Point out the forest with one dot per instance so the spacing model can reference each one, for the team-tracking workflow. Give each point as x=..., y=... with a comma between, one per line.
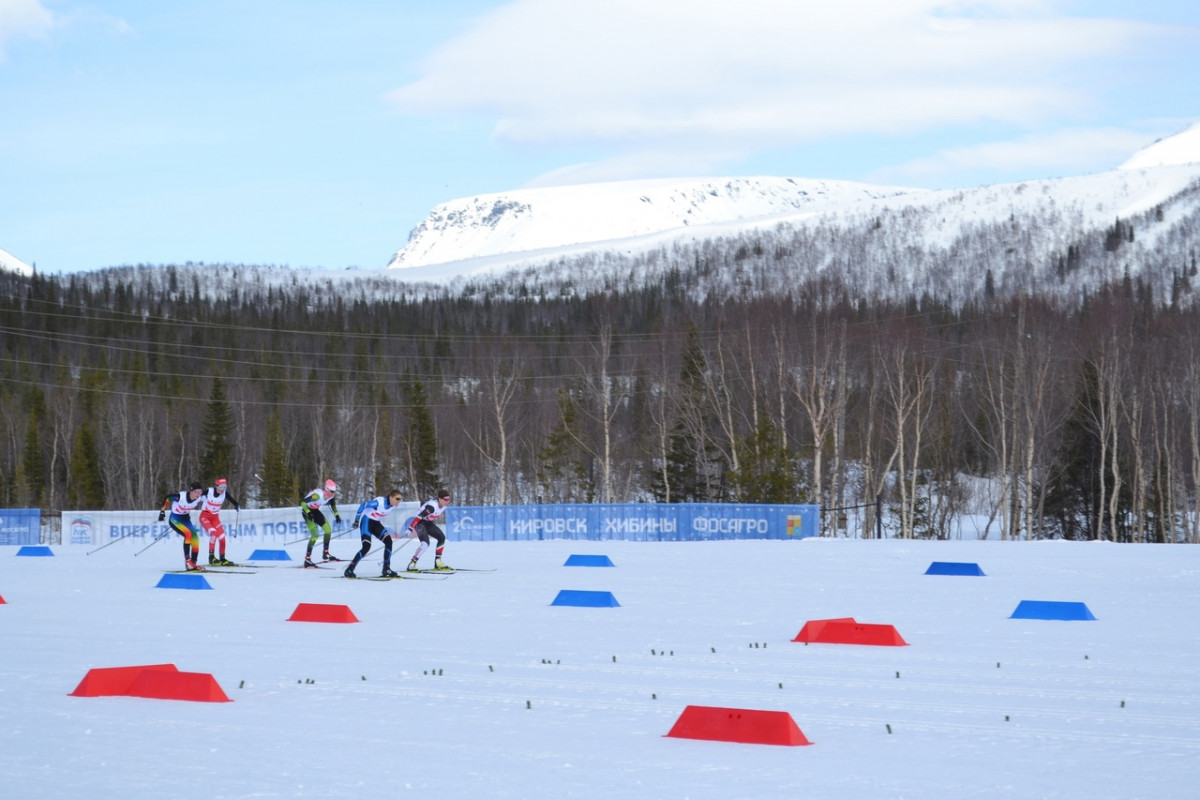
x=727, y=371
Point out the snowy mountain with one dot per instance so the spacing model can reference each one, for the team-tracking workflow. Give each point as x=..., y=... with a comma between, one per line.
x=1182, y=148
x=11, y=263
x=927, y=230
x=530, y=221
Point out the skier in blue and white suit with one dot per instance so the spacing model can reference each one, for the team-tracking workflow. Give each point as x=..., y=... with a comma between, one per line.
x=369, y=521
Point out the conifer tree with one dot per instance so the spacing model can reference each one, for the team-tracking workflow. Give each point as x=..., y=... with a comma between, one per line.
x=278, y=486
x=33, y=459
x=561, y=471
x=421, y=440
x=766, y=471
x=691, y=457
x=85, y=487
x=217, y=457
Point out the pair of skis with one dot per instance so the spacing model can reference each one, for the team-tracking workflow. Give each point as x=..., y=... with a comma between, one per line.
x=425, y=574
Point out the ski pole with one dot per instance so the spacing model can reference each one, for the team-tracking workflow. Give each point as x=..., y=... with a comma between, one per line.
x=157, y=539
x=375, y=550
x=106, y=544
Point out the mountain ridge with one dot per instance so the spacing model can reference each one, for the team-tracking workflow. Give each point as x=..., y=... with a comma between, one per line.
x=493, y=232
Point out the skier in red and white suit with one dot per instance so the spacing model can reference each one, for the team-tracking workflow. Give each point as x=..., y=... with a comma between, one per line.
x=210, y=519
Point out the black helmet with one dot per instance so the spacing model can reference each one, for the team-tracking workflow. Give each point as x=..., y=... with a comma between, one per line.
x=195, y=485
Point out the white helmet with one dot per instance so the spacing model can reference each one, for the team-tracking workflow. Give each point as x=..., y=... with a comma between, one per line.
x=330, y=485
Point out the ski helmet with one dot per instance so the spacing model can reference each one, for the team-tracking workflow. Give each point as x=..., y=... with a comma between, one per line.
x=330, y=486
x=221, y=482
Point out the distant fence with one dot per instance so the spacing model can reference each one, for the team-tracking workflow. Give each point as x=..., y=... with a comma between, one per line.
x=644, y=522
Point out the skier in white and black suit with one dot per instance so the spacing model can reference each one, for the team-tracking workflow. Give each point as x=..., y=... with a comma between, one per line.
x=422, y=527
x=369, y=521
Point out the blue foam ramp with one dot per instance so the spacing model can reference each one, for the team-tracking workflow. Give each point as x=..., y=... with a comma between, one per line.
x=1051, y=609
x=171, y=580
x=575, y=597
x=269, y=555
x=588, y=561
x=954, y=568
x=35, y=550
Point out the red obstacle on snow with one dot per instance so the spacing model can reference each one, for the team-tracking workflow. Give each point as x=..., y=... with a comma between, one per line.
x=114, y=681
x=844, y=630
x=199, y=687
x=322, y=612
x=2, y=601
x=747, y=726
x=157, y=681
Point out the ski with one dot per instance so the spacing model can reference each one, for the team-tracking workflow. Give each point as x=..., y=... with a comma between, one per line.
x=406, y=577
x=212, y=571
x=452, y=571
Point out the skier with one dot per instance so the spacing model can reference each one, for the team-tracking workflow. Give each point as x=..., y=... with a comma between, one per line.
x=314, y=518
x=182, y=504
x=210, y=520
x=422, y=527
x=369, y=521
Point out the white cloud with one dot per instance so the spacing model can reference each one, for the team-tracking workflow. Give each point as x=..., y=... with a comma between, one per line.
x=699, y=75
x=23, y=19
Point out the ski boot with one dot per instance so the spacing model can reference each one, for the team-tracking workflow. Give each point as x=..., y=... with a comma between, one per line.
x=412, y=566
x=349, y=573
x=329, y=557
x=192, y=566
x=388, y=572
x=308, y=562
x=212, y=559
x=438, y=566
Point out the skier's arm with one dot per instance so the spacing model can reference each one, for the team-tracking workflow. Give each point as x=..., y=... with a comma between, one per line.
x=166, y=503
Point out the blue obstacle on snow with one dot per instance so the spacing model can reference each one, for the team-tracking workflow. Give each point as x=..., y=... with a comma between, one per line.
x=270, y=555
x=35, y=550
x=575, y=597
x=588, y=561
x=191, y=580
x=954, y=568
x=1051, y=609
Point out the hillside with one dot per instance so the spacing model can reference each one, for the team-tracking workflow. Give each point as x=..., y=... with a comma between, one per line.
x=11, y=263
x=1063, y=236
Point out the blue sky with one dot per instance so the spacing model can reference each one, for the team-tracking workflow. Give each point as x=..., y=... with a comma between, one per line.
x=317, y=133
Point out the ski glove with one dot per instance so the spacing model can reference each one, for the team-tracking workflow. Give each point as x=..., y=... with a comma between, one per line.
x=162, y=515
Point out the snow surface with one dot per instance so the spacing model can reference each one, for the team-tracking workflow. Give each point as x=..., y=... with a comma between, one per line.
x=477, y=687
x=1182, y=148
x=13, y=264
x=531, y=220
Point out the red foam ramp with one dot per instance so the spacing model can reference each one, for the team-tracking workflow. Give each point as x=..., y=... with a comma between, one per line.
x=812, y=628
x=836, y=631
x=322, y=612
x=114, y=681
x=743, y=725
x=2, y=601
x=199, y=687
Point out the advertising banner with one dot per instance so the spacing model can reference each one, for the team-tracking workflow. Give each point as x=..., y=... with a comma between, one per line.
x=642, y=522
x=271, y=527
x=20, y=525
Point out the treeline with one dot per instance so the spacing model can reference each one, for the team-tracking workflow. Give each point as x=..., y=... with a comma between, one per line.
x=1080, y=420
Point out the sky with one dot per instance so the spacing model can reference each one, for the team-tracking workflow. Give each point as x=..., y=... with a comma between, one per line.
x=318, y=134
x=480, y=686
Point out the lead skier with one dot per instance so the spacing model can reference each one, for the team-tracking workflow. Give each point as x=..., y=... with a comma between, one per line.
x=369, y=521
